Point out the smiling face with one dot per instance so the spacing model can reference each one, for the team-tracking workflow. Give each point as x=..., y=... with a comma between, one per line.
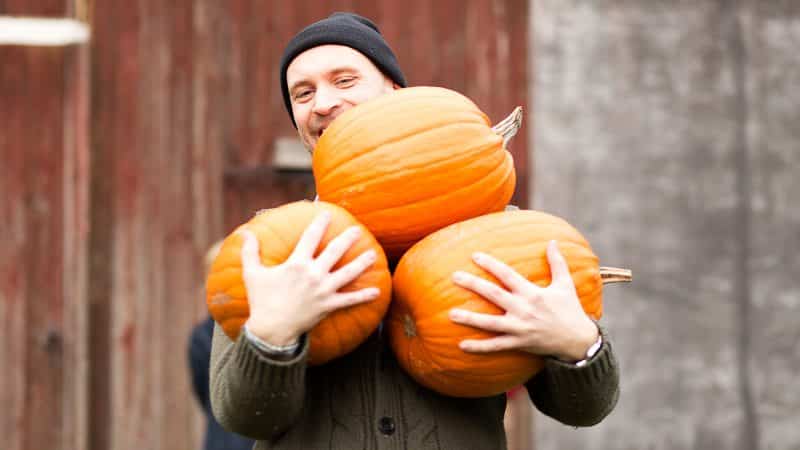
x=326, y=81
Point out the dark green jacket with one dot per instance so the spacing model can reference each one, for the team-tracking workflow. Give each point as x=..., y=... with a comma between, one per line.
x=364, y=400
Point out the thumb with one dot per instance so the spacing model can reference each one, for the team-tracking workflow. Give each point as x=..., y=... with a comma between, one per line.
x=249, y=253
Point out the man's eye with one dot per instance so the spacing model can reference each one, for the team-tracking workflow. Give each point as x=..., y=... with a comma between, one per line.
x=300, y=95
x=345, y=81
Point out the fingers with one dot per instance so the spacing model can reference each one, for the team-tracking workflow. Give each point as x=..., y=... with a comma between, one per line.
x=345, y=299
x=507, y=275
x=495, y=344
x=486, y=322
x=311, y=237
x=249, y=253
x=559, y=270
x=337, y=248
x=485, y=289
x=350, y=271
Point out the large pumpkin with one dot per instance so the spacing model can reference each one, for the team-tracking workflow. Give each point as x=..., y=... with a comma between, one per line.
x=422, y=335
x=413, y=161
x=278, y=231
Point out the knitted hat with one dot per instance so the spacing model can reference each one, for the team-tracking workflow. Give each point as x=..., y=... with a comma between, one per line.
x=346, y=29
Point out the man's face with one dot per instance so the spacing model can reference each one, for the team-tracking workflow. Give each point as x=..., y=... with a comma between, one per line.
x=328, y=80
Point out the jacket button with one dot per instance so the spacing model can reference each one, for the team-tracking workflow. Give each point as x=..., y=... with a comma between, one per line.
x=386, y=425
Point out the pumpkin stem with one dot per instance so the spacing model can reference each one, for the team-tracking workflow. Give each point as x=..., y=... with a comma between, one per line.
x=509, y=126
x=615, y=275
x=408, y=324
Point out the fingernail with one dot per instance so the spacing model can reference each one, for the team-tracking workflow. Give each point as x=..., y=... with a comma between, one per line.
x=373, y=292
x=356, y=231
x=459, y=277
x=478, y=257
x=456, y=314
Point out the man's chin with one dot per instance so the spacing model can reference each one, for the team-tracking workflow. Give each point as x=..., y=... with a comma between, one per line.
x=309, y=143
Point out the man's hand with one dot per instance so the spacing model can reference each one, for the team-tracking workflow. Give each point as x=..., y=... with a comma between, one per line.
x=289, y=299
x=545, y=321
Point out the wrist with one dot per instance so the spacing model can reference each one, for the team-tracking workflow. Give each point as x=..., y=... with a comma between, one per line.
x=273, y=335
x=591, y=352
x=282, y=353
x=580, y=347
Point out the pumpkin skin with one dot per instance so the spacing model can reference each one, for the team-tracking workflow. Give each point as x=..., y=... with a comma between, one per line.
x=278, y=231
x=410, y=162
x=423, y=337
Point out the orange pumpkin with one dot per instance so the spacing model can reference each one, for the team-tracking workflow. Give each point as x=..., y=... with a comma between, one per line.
x=413, y=161
x=278, y=231
x=421, y=333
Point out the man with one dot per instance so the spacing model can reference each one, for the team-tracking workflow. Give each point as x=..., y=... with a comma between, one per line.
x=261, y=386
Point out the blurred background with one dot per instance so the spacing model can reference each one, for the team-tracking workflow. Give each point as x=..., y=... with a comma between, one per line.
x=666, y=131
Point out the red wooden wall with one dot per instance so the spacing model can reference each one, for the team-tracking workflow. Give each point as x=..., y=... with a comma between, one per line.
x=44, y=167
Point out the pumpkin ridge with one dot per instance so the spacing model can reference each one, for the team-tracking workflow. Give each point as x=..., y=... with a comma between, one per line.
x=410, y=100
x=463, y=154
x=354, y=159
x=443, y=316
x=419, y=106
x=372, y=188
x=415, y=341
x=439, y=363
x=430, y=358
x=369, y=110
x=352, y=118
x=556, y=228
x=276, y=236
x=437, y=197
x=261, y=224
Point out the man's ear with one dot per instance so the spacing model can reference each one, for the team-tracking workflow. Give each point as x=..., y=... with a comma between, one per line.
x=389, y=85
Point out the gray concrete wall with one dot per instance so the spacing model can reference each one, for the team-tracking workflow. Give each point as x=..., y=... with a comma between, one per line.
x=669, y=133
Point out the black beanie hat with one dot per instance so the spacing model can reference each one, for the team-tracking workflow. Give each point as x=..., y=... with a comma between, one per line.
x=346, y=29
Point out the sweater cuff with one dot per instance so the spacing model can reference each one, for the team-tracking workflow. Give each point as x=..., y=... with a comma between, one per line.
x=275, y=373
x=569, y=377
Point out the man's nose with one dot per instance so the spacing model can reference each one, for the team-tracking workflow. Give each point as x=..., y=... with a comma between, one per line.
x=326, y=100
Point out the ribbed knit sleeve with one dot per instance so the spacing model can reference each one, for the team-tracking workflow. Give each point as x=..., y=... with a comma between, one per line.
x=251, y=394
x=578, y=396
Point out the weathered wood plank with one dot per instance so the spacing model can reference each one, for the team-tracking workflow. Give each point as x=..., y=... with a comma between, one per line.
x=76, y=389
x=44, y=246
x=42, y=274
x=156, y=216
x=37, y=8
x=14, y=290
x=449, y=17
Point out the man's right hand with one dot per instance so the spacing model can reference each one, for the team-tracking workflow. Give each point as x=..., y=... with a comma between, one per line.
x=289, y=299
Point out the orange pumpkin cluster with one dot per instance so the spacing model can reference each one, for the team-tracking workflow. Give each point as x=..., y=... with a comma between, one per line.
x=424, y=173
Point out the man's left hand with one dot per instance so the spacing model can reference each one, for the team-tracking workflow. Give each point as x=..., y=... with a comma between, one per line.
x=547, y=321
